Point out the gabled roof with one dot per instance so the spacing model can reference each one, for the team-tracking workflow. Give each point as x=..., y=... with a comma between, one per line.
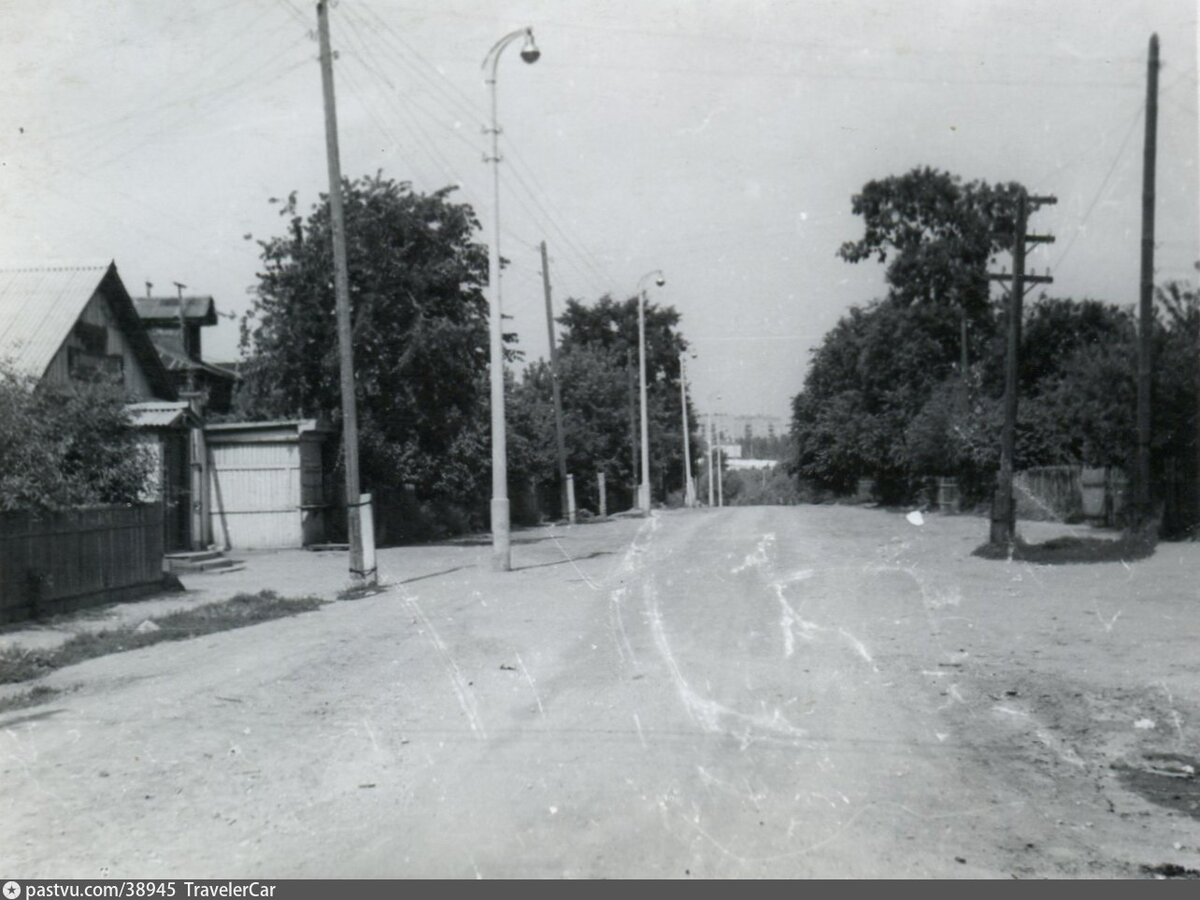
x=38, y=308
x=40, y=305
x=176, y=361
x=165, y=310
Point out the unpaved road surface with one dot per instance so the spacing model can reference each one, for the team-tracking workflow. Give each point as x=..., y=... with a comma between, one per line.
x=791, y=692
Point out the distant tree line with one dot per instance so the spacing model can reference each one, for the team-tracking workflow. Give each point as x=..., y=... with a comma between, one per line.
x=418, y=275
x=598, y=379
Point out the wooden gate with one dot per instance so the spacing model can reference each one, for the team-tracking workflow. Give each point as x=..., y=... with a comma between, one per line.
x=177, y=492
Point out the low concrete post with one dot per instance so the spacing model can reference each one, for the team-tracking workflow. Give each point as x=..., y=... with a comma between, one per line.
x=603, y=497
x=366, y=518
x=571, y=499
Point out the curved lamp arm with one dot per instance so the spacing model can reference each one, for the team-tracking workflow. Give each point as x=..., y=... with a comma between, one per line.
x=661, y=279
x=529, y=52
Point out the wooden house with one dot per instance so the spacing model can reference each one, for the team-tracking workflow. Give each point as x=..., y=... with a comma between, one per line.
x=77, y=323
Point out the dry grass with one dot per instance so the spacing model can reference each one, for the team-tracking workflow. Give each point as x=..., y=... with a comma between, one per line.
x=237, y=612
x=35, y=696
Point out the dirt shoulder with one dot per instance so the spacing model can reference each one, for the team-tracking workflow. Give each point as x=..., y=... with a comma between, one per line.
x=1082, y=678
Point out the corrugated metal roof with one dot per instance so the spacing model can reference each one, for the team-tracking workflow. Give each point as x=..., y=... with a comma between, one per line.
x=38, y=308
x=154, y=414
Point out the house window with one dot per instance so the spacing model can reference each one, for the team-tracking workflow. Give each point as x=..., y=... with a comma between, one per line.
x=92, y=339
x=85, y=366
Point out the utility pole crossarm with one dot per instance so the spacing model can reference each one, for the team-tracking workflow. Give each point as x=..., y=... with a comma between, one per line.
x=1036, y=279
x=1003, y=516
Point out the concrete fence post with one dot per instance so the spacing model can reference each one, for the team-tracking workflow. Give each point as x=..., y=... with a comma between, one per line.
x=571, y=499
x=603, y=496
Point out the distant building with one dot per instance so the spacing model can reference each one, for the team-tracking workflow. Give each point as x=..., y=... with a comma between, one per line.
x=177, y=337
x=733, y=428
x=736, y=464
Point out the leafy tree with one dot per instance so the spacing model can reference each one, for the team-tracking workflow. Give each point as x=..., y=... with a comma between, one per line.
x=869, y=378
x=1071, y=360
x=939, y=234
x=420, y=334
x=597, y=359
x=62, y=447
x=879, y=367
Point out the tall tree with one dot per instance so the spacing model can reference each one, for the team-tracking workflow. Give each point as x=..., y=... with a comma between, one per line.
x=936, y=233
x=419, y=330
x=879, y=367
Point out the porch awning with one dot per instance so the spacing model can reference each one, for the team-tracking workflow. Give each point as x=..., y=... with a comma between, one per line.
x=158, y=414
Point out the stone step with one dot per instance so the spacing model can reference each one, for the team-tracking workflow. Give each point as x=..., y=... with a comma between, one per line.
x=209, y=565
x=216, y=562
x=188, y=556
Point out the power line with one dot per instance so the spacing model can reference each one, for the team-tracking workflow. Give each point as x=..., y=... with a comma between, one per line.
x=1100, y=191
x=838, y=76
x=114, y=123
x=569, y=242
x=465, y=104
x=376, y=68
x=393, y=98
x=726, y=36
x=195, y=116
x=377, y=65
x=442, y=85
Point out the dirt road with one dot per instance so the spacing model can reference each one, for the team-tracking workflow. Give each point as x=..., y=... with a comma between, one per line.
x=809, y=691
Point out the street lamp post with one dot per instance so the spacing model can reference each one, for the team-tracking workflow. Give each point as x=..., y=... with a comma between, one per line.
x=644, y=486
x=501, y=548
x=689, y=487
x=714, y=456
x=709, y=453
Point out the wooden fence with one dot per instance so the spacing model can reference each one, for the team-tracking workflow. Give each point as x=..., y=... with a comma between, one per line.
x=1048, y=493
x=56, y=562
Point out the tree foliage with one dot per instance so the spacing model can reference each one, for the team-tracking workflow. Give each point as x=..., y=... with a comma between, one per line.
x=420, y=333
x=937, y=235
x=62, y=447
x=885, y=399
x=597, y=377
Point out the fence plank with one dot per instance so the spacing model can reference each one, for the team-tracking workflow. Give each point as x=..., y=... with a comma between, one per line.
x=74, y=558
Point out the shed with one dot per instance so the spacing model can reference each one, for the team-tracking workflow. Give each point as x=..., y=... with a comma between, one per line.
x=267, y=483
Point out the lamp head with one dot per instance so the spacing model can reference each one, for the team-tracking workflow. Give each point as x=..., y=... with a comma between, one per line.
x=529, y=51
x=660, y=280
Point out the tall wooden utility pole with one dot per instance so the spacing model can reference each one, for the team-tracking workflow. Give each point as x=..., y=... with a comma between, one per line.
x=1004, y=509
x=1143, y=509
x=341, y=285
x=558, y=417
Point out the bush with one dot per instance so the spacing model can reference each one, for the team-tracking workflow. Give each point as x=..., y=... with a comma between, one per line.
x=768, y=487
x=62, y=447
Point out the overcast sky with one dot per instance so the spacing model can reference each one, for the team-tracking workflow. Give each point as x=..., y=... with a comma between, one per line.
x=720, y=141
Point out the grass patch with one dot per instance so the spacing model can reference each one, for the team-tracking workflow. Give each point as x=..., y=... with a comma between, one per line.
x=236, y=612
x=359, y=592
x=35, y=696
x=1066, y=550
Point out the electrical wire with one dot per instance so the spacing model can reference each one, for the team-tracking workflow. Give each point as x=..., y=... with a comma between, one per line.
x=462, y=103
x=1100, y=191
